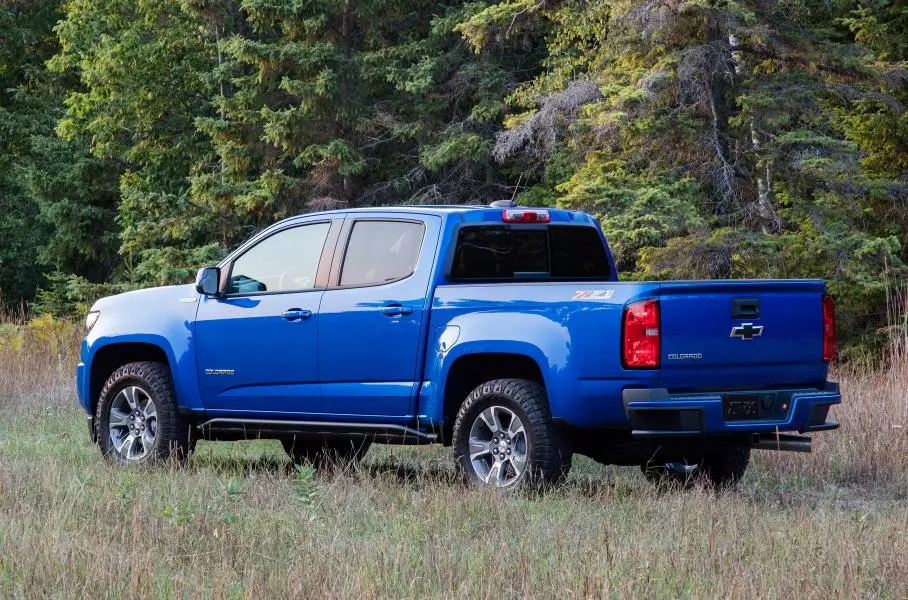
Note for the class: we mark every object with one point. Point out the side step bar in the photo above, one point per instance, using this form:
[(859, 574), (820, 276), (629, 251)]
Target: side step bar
[(781, 441), (255, 428)]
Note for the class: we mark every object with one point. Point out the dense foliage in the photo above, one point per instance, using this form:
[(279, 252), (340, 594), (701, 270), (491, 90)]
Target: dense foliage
[(140, 139)]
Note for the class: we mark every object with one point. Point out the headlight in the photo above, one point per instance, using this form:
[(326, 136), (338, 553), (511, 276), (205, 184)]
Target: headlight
[(91, 319)]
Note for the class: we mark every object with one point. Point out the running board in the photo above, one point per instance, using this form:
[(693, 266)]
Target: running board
[(261, 428)]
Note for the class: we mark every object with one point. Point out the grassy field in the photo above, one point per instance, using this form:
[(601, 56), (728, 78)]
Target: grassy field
[(239, 522)]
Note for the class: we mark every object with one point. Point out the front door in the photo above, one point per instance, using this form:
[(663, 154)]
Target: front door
[(257, 351), (373, 314)]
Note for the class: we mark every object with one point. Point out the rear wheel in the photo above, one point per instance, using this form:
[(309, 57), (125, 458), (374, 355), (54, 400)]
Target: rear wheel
[(324, 452), (721, 468), (137, 419), (504, 436)]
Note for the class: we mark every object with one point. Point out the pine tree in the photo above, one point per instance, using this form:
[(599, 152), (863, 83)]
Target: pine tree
[(878, 124), (140, 67), (331, 104), (20, 30), (267, 109), (56, 202)]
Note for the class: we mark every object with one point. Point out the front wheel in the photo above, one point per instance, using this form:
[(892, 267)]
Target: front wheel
[(504, 437), (720, 468), (137, 419)]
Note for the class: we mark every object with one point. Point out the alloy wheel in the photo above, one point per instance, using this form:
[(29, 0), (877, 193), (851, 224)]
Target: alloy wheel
[(498, 446), (133, 423)]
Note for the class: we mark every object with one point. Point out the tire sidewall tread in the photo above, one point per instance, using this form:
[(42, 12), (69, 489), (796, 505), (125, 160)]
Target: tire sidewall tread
[(726, 467)]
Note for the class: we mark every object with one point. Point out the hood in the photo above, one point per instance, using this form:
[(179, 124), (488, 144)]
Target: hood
[(157, 298)]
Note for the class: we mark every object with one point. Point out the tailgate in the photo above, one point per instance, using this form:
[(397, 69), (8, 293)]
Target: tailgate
[(741, 334)]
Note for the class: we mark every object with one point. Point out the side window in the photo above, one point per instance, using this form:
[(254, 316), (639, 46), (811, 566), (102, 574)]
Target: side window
[(286, 261), (381, 251)]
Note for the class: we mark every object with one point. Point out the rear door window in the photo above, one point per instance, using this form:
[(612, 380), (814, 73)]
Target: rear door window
[(380, 252), (502, 252)]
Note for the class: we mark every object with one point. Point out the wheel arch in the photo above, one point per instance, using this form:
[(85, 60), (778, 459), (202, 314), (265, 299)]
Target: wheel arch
[(111, 357), (470, 370)]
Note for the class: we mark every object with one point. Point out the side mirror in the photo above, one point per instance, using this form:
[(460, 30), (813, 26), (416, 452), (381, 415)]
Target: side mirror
[(208, 281)]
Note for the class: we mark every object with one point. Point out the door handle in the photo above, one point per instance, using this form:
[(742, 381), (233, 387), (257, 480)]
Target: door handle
[(296, 314), (396, 310), (745, 308)]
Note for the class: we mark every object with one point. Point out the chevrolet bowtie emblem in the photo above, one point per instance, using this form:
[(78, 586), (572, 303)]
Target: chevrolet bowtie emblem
[(746, 331)]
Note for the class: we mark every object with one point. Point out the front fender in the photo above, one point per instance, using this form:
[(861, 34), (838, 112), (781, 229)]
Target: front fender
[(180, 359), (162, 317)]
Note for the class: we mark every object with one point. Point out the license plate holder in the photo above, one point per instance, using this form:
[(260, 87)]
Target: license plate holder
[(741, 407)]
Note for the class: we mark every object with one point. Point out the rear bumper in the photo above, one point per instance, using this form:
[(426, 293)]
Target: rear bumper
[(657, 413)]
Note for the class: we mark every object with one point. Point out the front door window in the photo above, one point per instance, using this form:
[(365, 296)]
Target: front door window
[(284, 262)]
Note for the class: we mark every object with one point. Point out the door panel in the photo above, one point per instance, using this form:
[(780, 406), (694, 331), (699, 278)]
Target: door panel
[(257, 348), (370, 327), (253, 359)]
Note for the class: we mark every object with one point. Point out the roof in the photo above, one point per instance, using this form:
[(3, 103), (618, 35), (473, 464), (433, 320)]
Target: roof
[(470, 212), (422, 208)]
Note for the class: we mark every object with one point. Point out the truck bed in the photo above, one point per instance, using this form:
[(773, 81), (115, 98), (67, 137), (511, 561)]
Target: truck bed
[(715, 336)]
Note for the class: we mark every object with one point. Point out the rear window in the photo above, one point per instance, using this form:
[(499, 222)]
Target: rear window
[(519, 253), (380, 252)]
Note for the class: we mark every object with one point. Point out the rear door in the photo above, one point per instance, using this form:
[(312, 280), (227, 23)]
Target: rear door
[(741, 333), (373, 315)]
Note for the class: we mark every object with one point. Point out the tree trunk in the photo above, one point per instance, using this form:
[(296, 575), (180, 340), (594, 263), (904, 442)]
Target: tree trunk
[(725, 174), (347, 186), (345, 28), (217, 41), (765, 209)]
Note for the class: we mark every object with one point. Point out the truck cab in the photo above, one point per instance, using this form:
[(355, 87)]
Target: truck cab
[(502, 331)]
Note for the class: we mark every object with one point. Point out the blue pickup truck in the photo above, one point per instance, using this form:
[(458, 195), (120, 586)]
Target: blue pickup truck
[(501, 331)]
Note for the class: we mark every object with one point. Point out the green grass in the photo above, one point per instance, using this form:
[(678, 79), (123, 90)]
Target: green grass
[(240, 522)]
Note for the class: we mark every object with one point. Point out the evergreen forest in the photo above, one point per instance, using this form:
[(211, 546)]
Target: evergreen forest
[(142, 139)]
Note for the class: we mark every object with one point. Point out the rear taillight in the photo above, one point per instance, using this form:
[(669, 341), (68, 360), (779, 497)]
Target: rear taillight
[(830, 349), (640, 343)]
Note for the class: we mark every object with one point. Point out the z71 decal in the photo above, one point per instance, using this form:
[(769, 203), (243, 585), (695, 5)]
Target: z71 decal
[(594, 294)]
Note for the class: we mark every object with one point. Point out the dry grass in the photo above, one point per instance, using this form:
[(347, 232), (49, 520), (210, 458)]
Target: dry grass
[(238, 522)]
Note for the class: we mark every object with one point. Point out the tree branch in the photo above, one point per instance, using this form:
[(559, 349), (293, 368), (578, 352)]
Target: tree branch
[(801, 62)]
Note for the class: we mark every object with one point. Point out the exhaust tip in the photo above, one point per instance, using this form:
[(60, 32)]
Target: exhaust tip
[(782, 442)]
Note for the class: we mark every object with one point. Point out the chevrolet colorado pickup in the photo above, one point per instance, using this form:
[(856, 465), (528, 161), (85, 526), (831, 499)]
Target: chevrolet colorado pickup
[(501, 331)]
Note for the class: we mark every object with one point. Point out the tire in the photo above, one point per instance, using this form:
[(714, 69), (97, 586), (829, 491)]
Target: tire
[(138, 403), (522, 439), (325, 453), (720, 469)]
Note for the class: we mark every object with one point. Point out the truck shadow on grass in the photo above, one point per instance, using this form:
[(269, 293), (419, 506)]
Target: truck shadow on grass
[(233, 461), (242, 466), (408, 472), (590, 482)]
